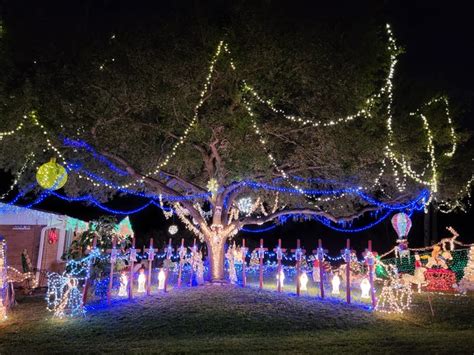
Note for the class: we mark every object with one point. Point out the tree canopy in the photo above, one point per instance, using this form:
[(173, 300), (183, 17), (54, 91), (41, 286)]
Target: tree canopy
[(131, 94)]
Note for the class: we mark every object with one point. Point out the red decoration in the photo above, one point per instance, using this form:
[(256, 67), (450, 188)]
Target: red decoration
[(440, 280), (52, 236)]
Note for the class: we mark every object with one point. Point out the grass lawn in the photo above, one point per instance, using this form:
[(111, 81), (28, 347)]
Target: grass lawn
[(218, 319)]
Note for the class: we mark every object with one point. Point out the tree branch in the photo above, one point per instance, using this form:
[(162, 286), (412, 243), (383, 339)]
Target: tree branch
[(158, 185), (305, 211)]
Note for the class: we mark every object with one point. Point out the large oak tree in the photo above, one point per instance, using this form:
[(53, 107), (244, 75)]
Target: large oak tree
[(132, 95)]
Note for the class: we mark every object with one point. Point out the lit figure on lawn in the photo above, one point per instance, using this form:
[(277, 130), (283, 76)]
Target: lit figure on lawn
[(281, 277), (123, 292), (141, 281), (161, 280), (304, 281), (336, 281), (365, 288), (316, 271)]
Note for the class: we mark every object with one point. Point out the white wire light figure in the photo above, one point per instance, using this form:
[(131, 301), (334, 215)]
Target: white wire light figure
[(281, 277), (365, 288), (303, 282), (161, 280), (336, 281), (141, 281), (123, 290)]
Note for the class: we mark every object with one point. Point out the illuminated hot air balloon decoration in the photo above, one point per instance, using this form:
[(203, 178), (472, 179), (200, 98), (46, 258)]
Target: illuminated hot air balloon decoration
[(401, 222)]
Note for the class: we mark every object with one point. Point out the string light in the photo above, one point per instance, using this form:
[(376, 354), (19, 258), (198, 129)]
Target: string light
[(3, 279), (386, 90), (19, 174)]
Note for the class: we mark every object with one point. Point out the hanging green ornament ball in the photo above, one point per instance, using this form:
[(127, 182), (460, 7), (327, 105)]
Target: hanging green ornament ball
[(51, 175)]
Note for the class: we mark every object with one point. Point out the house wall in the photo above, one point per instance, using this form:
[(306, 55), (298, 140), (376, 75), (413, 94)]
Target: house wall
[(29, 237)]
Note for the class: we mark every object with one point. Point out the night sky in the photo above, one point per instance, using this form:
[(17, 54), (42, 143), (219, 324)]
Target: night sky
[(436, 35)]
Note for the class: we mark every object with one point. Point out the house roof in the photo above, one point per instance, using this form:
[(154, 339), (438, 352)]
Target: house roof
[(16, 215)]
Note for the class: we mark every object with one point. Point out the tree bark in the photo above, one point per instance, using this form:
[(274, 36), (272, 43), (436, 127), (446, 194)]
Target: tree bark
[(215, 248), (427, 226)]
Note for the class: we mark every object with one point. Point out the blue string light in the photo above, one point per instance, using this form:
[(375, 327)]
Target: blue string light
[(80, 144), (261, 230)]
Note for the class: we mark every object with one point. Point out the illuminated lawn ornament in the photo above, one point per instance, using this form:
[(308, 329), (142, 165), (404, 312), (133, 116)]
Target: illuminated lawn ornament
[(402, 224), (395, 296), (365, 288), (173, 229), (141, 281), (123, 290), (336, 282), (281, 277), (51, 175), (161, 280), (304, 281), (63, 296), (3, 280)]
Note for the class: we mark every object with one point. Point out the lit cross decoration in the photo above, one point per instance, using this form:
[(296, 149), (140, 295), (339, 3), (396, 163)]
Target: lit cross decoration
[(261, 253), (279, 256), (169, 253), (244, 251), (193, 255), (151, 256), (182, 254), (133, 259), (298, 252), (113, 260)]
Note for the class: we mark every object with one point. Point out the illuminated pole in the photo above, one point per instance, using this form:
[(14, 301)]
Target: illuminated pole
[(181, 254), (133, 258), (298, 255), (244, 264), (320, 255), (89, 267), (151, 257), (169, 251), (370, 261), (113, 259), (261, 253), (347, 255), (3, 279), (193, 255), (279, 255)]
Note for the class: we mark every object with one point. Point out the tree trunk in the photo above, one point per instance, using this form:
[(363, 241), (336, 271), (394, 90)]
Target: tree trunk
[(215, 248), (434, 224), (427, 225)]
